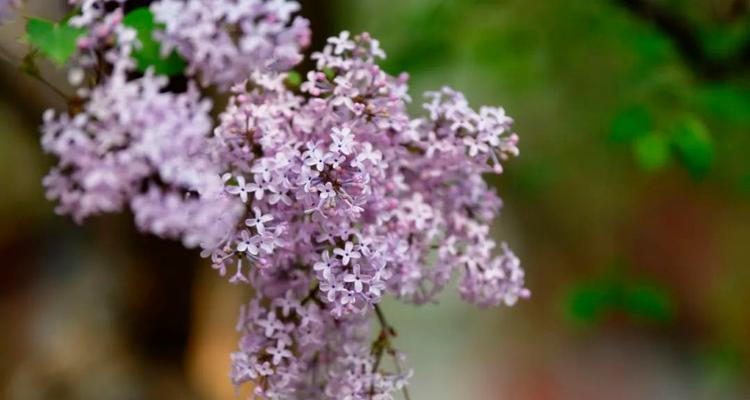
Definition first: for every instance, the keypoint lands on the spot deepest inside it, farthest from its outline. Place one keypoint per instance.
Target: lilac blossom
(225, 41)
(382, 203)
(105, 29)
(324, 198)
(135, 145)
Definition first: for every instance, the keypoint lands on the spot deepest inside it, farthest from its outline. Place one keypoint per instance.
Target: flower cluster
(293, 349)
(225, 41)
(134, 144)
(324, 197)
(105, 28)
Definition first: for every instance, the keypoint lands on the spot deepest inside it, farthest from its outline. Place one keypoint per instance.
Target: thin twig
(28, 66)
(383, 342)
(51, 87)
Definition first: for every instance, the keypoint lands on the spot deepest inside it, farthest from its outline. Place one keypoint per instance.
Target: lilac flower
(247, 243)
(130, 135)
(259, 187)
(259, 220)
(356, 278)
(331, 287)
(269, 241)
(271, 325)
(325, 265)
(342, 141)
(287, 304)
(341, 43)
(340, 196)
(226, 44)
(279, 352)
(326, 191)
(316, 158)
(347, 253)
(240, 190)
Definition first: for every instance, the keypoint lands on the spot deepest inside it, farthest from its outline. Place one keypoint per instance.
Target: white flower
(258, 220)
(241, 189)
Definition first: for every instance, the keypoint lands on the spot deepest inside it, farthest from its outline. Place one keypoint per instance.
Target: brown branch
(383, 343)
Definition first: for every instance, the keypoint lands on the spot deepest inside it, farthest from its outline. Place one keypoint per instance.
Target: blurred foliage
(652, 152)
(687, 138)
(722, 363)
(592, 301)
(694, 147)
(631, 123)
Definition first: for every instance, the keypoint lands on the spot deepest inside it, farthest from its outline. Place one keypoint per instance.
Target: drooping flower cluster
(324, 197)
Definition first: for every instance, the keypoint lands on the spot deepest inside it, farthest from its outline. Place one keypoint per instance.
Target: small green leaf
(56, 41)
(744, 183)
(631, 123)
(330, 73)
(293, 79)
(694, 147)
(648, 301)
(726, 101)
(588, 302)
(651, 152)
(149, 52)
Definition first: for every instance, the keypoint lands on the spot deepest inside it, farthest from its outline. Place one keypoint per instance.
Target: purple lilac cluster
(225, 41)
(135, 144)
(323, 197)
(292, 348)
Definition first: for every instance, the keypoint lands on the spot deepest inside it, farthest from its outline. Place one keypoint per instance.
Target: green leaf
(726, 101)
(293, 79)
(56, 41)
(651, 152)
(631, 123)
(591, 302)
(330, 73)
(149, 53)
(693, 145)
(588, 302)
(647, 301)
(744, 183)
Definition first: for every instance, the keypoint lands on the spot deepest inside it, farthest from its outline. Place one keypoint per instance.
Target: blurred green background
(629, 206)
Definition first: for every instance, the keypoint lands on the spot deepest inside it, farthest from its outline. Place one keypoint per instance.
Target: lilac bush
(324, 197)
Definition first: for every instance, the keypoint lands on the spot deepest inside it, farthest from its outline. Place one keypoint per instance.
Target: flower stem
(383, 343)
